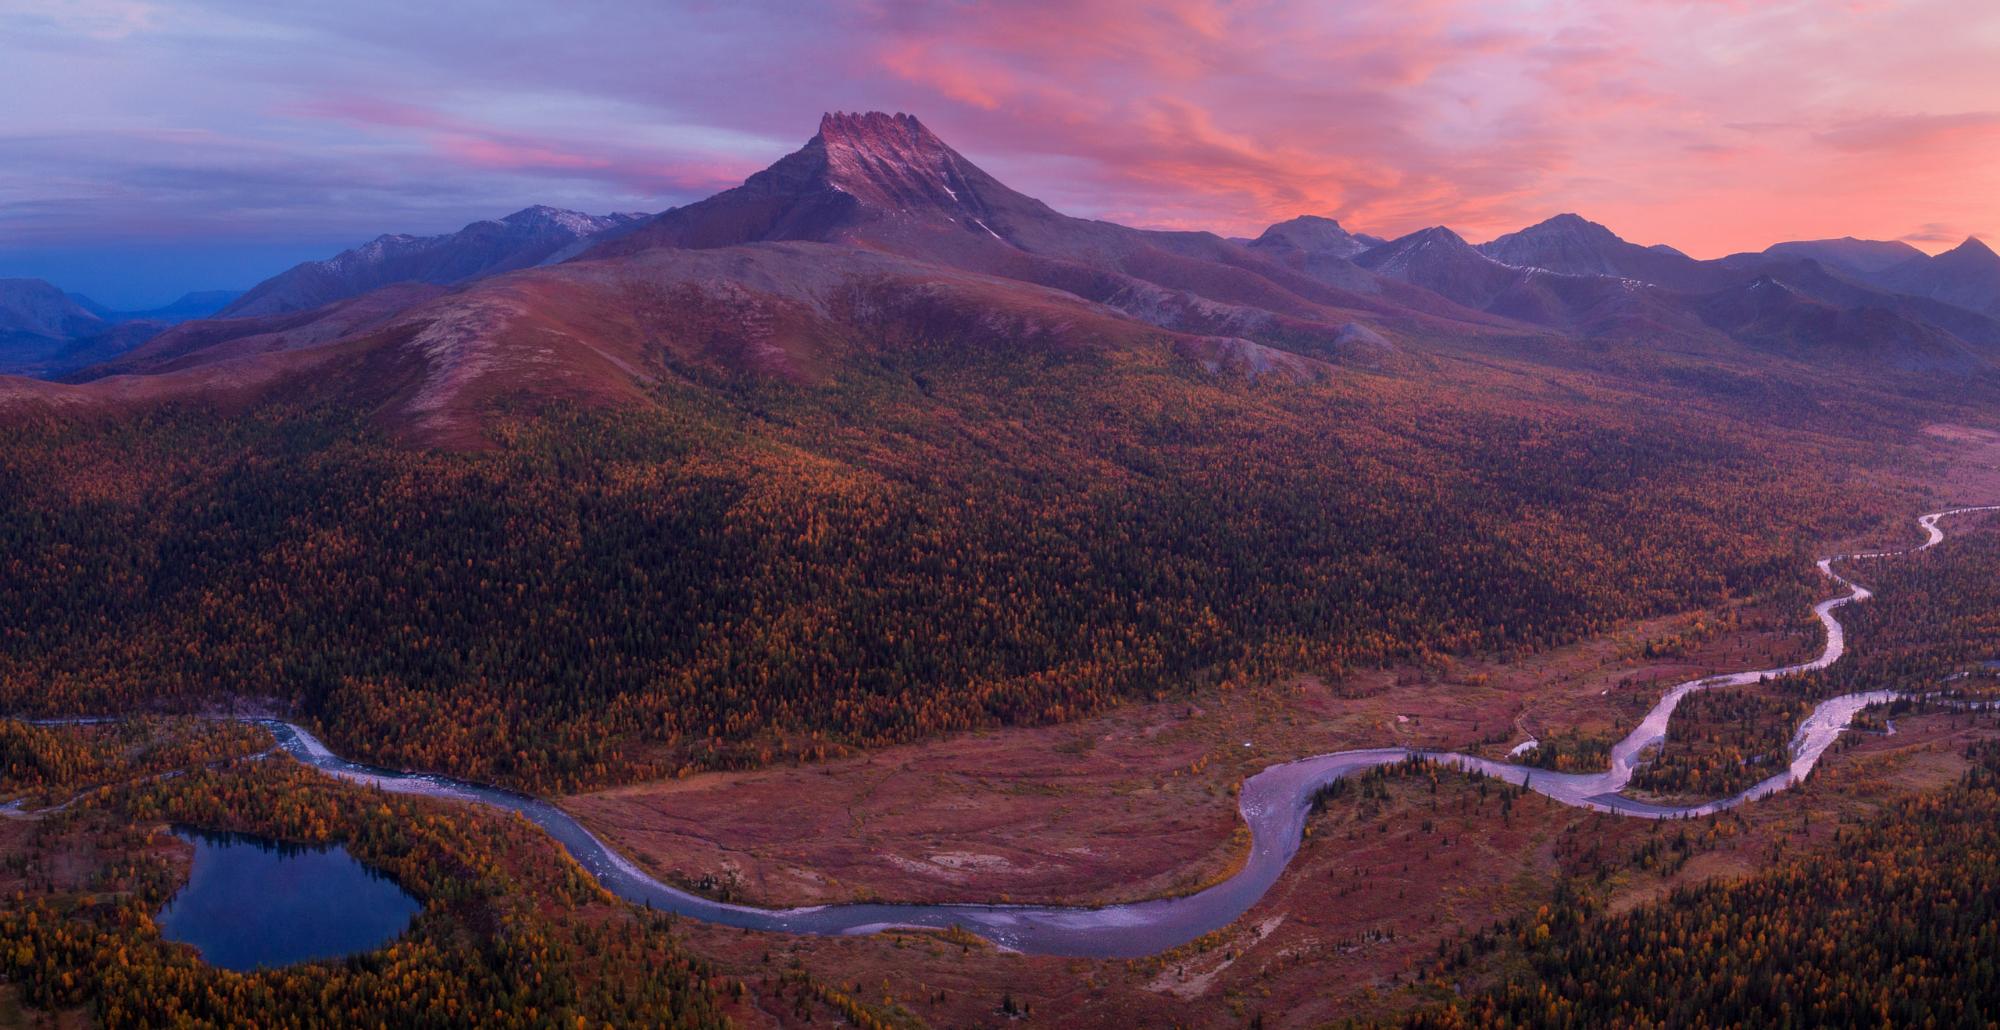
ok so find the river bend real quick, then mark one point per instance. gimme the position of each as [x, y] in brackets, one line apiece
[1274, 804]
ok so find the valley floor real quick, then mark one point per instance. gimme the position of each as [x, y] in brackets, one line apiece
[1139, 801]
[1382, 883]
[1050, 814]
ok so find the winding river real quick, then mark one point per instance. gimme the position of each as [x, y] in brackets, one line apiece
[1274, 804]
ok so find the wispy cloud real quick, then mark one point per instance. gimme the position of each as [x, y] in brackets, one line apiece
[1912, 133]
[1936, 232]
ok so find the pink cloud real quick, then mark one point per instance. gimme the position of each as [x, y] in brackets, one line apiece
[365, 110]
[470, 144]
[514, 156]
[1715, 125]
[1905, 133]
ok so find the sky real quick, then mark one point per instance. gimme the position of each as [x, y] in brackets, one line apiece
[150, 147]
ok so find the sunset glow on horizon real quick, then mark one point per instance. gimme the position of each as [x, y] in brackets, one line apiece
[1715, 126]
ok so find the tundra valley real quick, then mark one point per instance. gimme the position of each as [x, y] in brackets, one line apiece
[856, 592]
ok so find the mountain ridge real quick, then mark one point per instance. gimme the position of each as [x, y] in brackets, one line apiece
[487, 247]
[875, 213]
[1863, 258]
[1574, 245]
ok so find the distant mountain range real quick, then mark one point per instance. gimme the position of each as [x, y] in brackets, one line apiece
[766, 277]
[1574, 245]
[44, 331]
[47, 333]
[521, 240]
[1576, 275]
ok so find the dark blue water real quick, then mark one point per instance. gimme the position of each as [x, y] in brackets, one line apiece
[250, 902]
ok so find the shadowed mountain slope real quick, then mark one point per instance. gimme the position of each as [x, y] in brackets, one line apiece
[1967, 275]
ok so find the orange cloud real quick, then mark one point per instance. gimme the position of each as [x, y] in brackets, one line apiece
[1714, 125]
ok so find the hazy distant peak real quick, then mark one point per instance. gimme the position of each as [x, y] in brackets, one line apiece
[1973, 247]
[39, 307]
[1312, 235]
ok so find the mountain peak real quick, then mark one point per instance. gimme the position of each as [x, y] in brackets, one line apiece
[875, 128]
[864, 174]
[890, 161]
[1310, 234]
[866, 142]
[538, 213]
[1436, 237]
[1571, 224]
[563, 221]
[1574, 245]
[1429, 248]
[1306, 222]
[1973, 247]
[39, 307]
[1439, 234]
[1967, 275]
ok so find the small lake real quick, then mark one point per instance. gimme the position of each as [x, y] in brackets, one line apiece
[251, 902]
